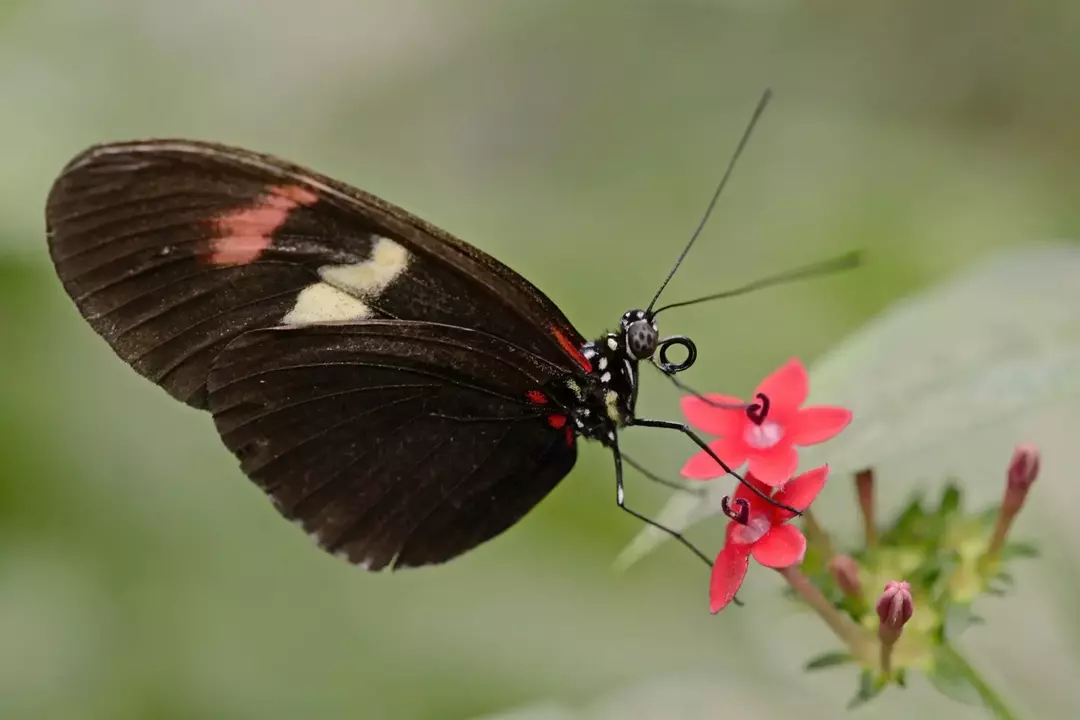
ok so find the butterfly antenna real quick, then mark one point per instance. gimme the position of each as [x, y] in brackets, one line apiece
[762, 103]
[840, 263]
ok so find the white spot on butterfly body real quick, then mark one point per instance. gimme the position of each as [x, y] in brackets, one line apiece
[611, 402]
[603, 363]
[341, 294]
[606, 377]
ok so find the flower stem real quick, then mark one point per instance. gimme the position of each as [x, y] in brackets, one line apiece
[886, 657]
[990, 698]
[997, 539]
[856, 638]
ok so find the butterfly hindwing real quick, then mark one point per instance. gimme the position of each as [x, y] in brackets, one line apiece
[173, 249]
[393, 443]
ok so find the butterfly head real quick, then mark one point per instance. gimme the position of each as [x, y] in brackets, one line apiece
[640, 334]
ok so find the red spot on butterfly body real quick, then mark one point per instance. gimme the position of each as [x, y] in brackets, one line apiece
[245, 233]
[557, 421]
[569, 436]
[536, 397]
[571, 349]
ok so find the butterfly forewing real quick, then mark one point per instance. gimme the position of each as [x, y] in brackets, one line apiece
[173, 249]
[393, 442]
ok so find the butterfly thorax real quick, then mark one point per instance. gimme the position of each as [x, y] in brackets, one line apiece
[609, 397]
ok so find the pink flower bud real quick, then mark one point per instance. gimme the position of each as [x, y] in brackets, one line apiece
[1023, 468]
[845, 571]
[864, 485]
[894, 609]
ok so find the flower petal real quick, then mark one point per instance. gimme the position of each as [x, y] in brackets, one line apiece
[715, 420]
[801, 491]
[786, 389]
[817, 424]
[757, 503]
[775, 466]
[704, 467]
[783, 546]
[727, 576]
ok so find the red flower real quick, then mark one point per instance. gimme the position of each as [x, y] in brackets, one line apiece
[765, 432]
[758, 528]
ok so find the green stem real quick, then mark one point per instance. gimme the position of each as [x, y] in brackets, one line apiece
[990, 698]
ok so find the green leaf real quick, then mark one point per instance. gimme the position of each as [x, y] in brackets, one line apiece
[949, 678]
[1019, 549]
[908, 525]
[988, 517]
[950, 501]
[972, 351]
[869, 687]
[958, 618]
[828, 660]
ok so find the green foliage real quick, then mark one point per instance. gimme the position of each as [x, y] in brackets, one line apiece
[938, 550]
[870, 686]
[827, 660]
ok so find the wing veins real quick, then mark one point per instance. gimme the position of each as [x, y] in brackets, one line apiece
[301, 403]
[319, 435]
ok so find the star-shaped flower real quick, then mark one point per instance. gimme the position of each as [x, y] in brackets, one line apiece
[764, 432]
[759, 529]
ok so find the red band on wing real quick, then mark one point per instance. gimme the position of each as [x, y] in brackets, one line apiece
[536, 397]
[556, 421]
[571, 350]
[246, 233]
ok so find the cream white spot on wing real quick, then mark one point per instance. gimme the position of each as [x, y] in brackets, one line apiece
[322, 303]
[612, 343]
[603, 363]
[369, 278]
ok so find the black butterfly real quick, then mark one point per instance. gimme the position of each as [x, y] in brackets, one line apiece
[397, 392]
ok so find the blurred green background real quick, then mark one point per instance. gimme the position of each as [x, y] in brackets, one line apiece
[141, 576]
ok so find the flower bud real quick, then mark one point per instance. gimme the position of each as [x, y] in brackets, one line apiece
[845, 572]
[894, 609]
[1023, 468]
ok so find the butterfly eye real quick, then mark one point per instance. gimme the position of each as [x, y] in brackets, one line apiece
[641, 338]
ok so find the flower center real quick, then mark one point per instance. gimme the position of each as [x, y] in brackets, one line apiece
[764, 435]
[754, 529]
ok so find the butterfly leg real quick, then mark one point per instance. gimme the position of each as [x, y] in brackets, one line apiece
[685, 430]
[620, 498]
[698, 491]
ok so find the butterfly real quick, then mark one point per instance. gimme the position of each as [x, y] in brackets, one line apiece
[398, 393]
